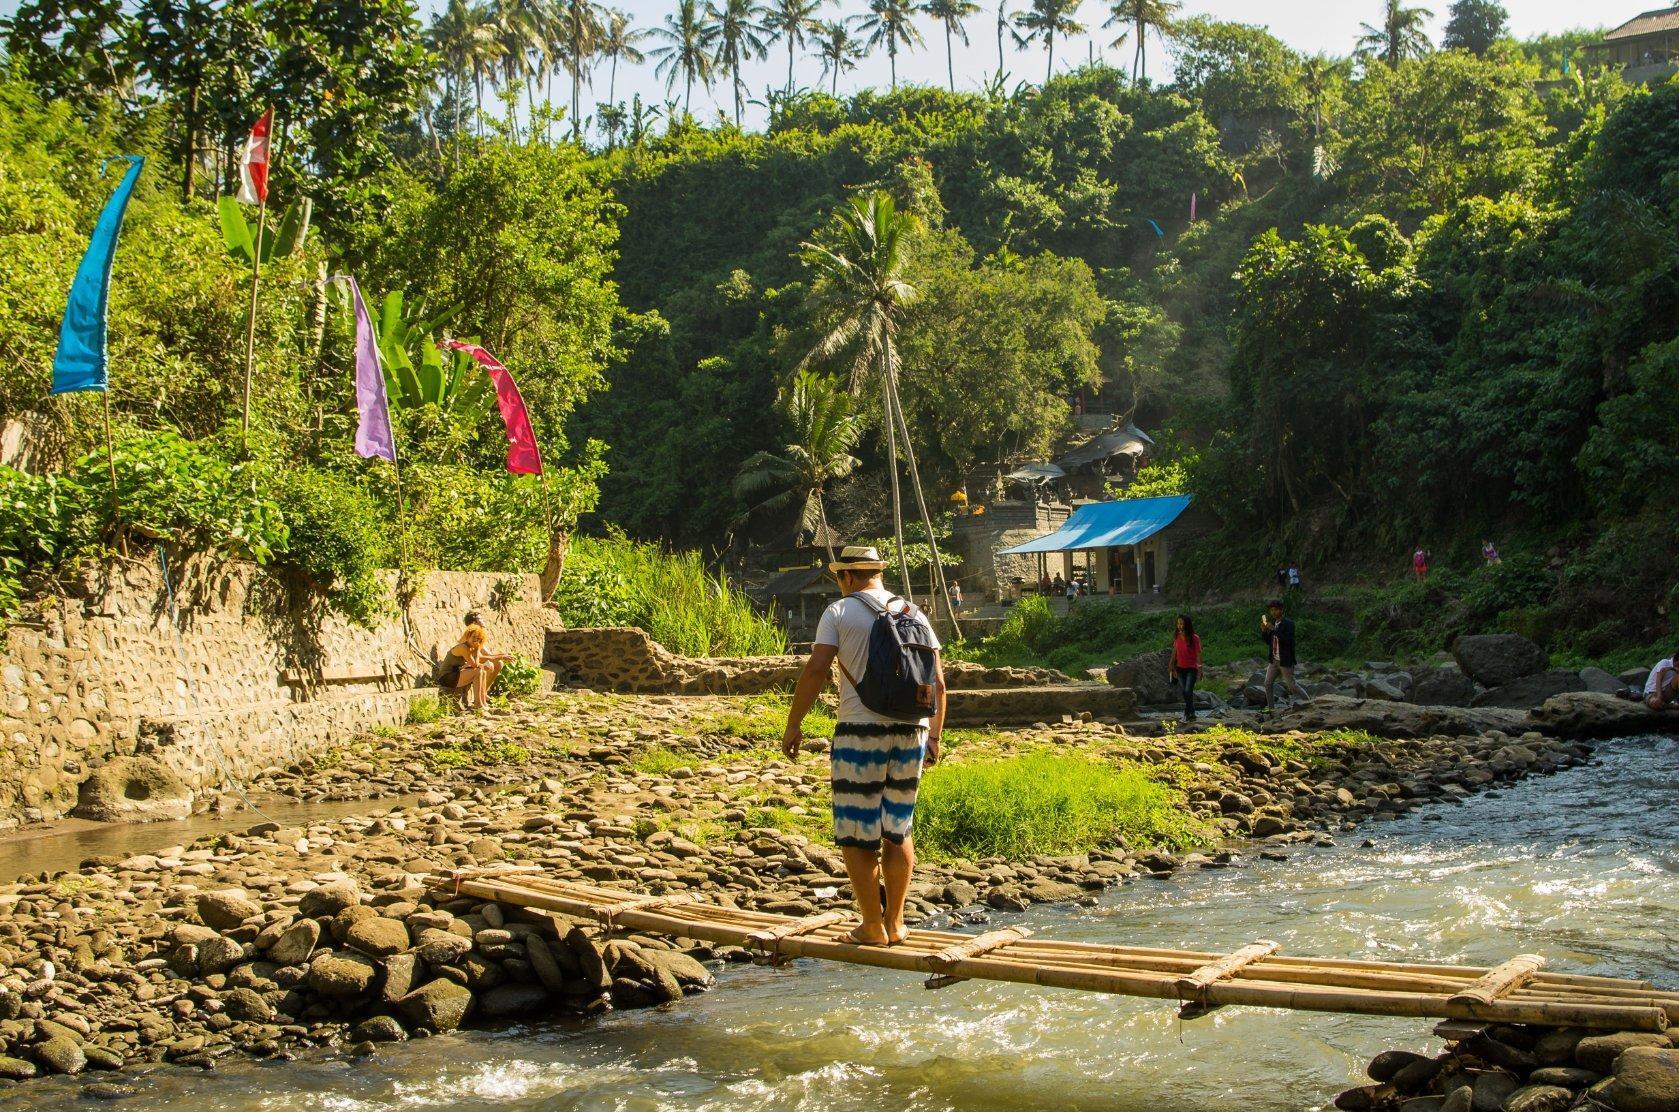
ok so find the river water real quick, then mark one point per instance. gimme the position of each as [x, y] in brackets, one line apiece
[1582, 867]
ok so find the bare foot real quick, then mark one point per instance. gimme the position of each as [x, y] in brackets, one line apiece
[896, 934]
[865, 935]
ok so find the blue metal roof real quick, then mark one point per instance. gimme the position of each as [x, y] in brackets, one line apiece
[1108, 525]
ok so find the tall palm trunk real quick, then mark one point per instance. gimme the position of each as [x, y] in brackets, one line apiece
[1049, 70]
[936, 576]
[949, 58]
[1001, 24]
[789, 63]
[822, 520]
[887, 401]
[892, 56]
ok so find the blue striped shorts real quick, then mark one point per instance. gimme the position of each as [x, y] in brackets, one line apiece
[876, 772]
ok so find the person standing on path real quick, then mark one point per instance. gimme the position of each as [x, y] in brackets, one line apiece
[1277, 632]
[1419, 562]
[956, 594]
[1186, 662]
[876, 759]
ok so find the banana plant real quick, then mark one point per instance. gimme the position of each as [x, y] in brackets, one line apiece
[417, 372]
[285, 238]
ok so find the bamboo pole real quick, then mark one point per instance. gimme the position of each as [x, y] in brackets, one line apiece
[1373, 988]
[111, 465]
[251, 322]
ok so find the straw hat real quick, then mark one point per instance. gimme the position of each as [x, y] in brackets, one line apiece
[858, 557]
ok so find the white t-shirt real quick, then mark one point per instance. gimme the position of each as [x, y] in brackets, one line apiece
[1660, 676]
[846, 624]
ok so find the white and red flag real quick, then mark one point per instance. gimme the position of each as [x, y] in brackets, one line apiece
[253, 164]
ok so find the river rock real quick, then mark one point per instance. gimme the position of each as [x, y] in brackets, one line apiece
[510, 1001]
[1384, 1066]
[380, 1028]
[1398, 720]
[218, 955]
[403, 972]
[1594, 714]
[1147, 675]
[327, 900]
[133, 789]
[1538, 1098]
[16, 1069]
[685, 970]
[296, 943]
[1530, 691]
[1492, 1089]
[1646, 1080]
[439, 1005]
[1596, 679]
[442, 947]
[1598, 1053]
[377, 937]
[1442, 687]
[61, 1055]
[247, 1006]
[1495, 659]
[342, 974]
[224, 911]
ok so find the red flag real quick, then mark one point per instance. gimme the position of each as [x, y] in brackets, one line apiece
[523, 456]
[253, 164]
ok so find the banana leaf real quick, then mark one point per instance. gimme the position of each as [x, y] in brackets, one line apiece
[236, 234]
[294, 230]
[431, 375]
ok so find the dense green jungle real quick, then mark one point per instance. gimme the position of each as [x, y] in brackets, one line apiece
[1422, 295]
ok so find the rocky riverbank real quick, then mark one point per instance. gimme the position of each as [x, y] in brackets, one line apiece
[277, 940]
[1511, 1068]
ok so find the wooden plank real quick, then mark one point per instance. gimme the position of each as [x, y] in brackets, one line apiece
[942, 980]
[608, 916]
[768, 939]
[945, 960]
[1195, 983]
[1500, 980]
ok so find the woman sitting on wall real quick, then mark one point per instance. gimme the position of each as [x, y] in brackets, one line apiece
[469, 667]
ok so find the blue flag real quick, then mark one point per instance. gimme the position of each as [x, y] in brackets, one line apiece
[80, 361]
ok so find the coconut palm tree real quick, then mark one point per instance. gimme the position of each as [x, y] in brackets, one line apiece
[518, 31]
[619, 42]
[792, 21]
[839, 50]
[735, 37]
[890, 23]
[1141, 18]
[1400, 36]
[822, 418]
[951, 13]
[861, 291]
[460, 35]
[577, 31]
[685, 51]
[1044, 20]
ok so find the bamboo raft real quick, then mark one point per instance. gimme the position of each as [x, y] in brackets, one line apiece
[1515, 991]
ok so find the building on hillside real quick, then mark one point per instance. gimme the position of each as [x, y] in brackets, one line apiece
[1113, 455]
[1645, 48]
[1121, 548]
[798, 596]
[981, 536]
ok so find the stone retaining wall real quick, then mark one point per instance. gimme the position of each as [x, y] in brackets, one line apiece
[626, 660]
[255, 673]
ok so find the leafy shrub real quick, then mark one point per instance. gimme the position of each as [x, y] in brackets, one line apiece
[423, 710]
[1044, 802]
[517, 679]
[673, 596]
[338, 540]
[39, 517]
[1520, 581]
[171, 487]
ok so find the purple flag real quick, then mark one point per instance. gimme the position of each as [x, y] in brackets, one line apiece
[373, 431]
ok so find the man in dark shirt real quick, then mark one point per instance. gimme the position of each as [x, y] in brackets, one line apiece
[1278, 634]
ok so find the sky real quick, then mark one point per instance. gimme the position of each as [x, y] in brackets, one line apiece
[1309, 26]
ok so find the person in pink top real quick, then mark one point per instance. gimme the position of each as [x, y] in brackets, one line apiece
[1419, 562]
[1186, 663]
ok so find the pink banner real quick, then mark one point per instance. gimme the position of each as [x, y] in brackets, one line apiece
[523, 456]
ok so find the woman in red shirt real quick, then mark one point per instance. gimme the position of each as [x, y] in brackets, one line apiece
[1186, 662]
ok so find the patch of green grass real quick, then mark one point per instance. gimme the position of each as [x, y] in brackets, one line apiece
[763, 718]
[815, 824]
[476, 753]
[661, 760]
[1045, 802]
[423, 710]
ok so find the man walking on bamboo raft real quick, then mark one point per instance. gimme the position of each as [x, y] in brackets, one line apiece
[891, 716]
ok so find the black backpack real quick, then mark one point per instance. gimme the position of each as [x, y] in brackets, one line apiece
[901, 676]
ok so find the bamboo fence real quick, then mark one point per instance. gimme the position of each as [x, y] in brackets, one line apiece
[1516, 991]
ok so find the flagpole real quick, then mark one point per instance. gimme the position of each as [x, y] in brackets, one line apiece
[251, 324]
[111, 464]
